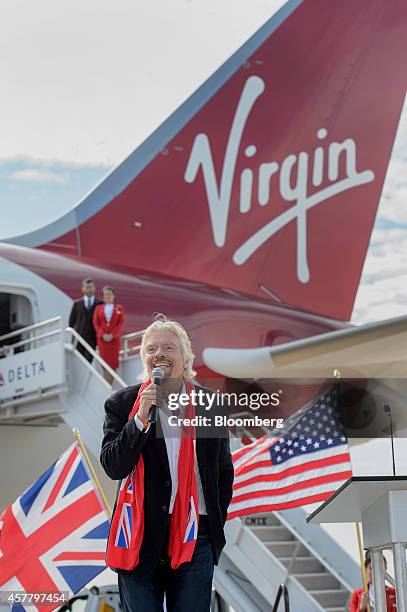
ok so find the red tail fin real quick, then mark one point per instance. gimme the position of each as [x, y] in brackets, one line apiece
[268, 178]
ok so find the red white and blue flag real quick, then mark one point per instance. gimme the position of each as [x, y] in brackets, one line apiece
[123, 534]
[304, 465]
[191, 531]
[53, 537]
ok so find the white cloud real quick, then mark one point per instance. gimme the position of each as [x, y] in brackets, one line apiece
[394, 204]
[380, 301]
[382, 292]
[38, 176]
[380, 235]
[66, 94]
[26, 160]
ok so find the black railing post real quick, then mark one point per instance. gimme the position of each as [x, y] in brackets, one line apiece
[282, 589]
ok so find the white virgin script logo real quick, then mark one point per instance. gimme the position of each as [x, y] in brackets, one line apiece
[292, 188]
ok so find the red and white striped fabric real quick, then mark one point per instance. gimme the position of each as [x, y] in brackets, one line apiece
[306, 464]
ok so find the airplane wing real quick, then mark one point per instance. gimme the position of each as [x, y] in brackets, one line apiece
[374, 350]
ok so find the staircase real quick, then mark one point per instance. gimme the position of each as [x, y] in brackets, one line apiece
[44, 380]
[306, 567]
[265, 551]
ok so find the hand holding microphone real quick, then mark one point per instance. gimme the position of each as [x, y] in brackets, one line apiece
[149, 400]
[158, 376]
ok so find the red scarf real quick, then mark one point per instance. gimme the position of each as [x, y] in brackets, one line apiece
[127, 528]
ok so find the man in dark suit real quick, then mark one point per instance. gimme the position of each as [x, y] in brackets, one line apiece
[81, 317]
[174, 553]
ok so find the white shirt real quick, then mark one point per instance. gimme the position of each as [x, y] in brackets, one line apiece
[172, 438]
[89, 301]
[109, 311]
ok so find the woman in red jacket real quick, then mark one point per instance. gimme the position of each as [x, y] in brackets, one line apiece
[360, 598]
[108, 321]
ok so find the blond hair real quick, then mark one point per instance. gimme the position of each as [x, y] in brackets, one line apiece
[162, 323]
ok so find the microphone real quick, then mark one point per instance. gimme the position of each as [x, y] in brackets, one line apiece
[157, 376]
[387, 410]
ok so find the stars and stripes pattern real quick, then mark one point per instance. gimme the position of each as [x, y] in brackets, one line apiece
[305, 464]
[53, 537]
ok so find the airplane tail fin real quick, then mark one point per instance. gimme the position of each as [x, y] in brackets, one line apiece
[267, 180]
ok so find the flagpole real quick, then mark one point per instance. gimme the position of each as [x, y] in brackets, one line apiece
[337, 376]
[77, 437]
[362, 561]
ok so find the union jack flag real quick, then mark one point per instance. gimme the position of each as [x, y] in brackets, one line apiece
[305, 464]
[191, 532]
[53, 537]
[123, 535]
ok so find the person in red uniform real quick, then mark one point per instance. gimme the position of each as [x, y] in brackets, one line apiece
[108, 321]
[361, 598]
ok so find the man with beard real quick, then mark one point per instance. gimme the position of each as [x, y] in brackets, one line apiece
[81, 317]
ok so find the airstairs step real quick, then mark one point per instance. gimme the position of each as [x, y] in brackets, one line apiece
[330, 597]
[272, 534]
[287, 549]
[324, 587]
[318, 580]
[305, 565]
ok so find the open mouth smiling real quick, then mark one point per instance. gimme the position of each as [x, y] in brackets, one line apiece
[165, 365]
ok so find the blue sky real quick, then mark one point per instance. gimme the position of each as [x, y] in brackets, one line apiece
[74, 105]
[39, 190]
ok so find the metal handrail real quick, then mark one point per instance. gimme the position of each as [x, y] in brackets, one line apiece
[29, 328]
[28, 397]
[24, 330]
[235, 577]
[129, 351]
[294, 556]
[9, 347]
[282, 589]
[136, 334]
[96, 356]
[125, 351]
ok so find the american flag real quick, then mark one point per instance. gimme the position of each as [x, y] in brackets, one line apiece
[53, 537]
[305, 464]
